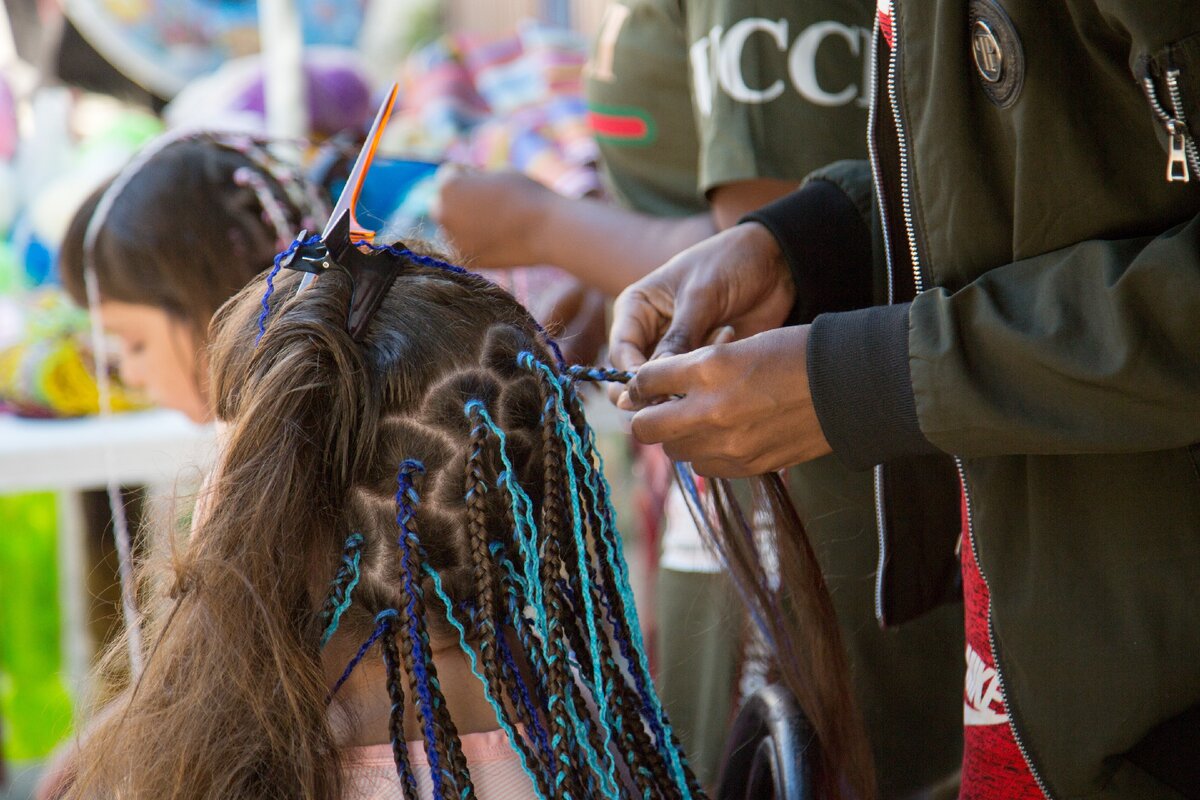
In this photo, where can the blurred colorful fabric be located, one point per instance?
(162, 44)
(514, 103)
(337, 91)
(49, 371)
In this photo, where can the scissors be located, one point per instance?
(371, 273)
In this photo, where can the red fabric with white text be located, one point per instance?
(993, 767)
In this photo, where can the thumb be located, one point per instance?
(689, 327)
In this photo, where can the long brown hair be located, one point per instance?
(777, 573)
(440, 445)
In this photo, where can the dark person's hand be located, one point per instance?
(732, 410)
(737, 279)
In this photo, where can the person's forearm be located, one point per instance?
(609, 247)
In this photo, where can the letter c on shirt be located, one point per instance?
(729, 59)
(802, 63)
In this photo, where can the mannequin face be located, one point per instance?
(158, 355)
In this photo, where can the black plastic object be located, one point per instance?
(770, 751)
(371, 274)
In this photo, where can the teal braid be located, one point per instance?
(521, 507)
(342, 586)
(525, 530)
(526, 360)
(501, 717)
(601, 491)
(615, 555)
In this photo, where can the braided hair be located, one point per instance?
(432, 483)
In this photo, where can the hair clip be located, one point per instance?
(371, 273)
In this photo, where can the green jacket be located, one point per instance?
(1043, 277)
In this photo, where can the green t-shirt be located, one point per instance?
(687, 95)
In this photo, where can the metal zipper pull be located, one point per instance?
(1177, 160)
(1182, 158)
(1181, 137)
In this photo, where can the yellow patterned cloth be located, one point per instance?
(49, 371)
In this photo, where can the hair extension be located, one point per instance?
(584, 575)
(391, 662)
(440, 734)
(477, 536)
(559, 689)
(280, 258)
(342, 587)
(574, 447)
(626, 626)
(362, 652)
(538, 780)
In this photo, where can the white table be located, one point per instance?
(146, 447)
(150, 448)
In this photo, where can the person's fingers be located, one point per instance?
(666, 423)
(689, 325)
(660, 380)
(635, 328)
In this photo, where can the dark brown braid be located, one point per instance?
(445, 739)
(476, 489)
(594, 513)
(391, 661)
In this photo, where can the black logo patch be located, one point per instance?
(996, 54)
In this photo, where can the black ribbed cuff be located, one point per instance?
(827, 245)
(861, 387)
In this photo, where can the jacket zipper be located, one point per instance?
(1183, 152)
(910, 234)
(914, 255)
(873, 153)
(1037, 777)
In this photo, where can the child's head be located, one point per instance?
(439, 473)
(170, 239)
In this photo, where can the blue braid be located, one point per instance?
(380, 623)
(526, 629)
(278, 265)
(579, 372)
(487, 690)
(652, 707)
(342, 588)
(396, 721)
(406, 501)
(539, 730)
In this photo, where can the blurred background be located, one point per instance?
(83, 83)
